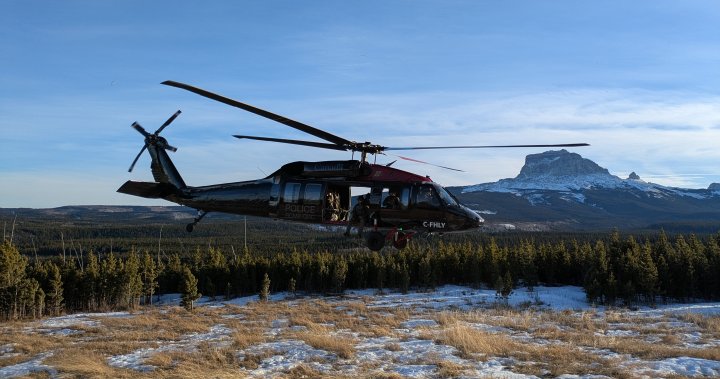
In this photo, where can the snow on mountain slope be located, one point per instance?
(562, 171)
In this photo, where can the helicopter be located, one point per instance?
(397, 204)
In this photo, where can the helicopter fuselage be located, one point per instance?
(325, 193)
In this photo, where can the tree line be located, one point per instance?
(612, 269)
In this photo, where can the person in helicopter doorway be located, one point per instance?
(359, 215)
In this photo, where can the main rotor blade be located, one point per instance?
(484, 147)
(137, 157)
(261, 112)
(419, 161)
(171, 119)
(321, 145)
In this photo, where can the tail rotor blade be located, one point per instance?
(170, 120)
(137, 157)
(140, 129)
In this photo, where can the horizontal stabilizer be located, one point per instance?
(149, 190)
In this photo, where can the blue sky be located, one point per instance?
(639, 80)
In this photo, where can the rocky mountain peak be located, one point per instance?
(714, 187)
(633, 176)
(559, 163)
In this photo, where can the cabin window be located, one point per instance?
(274, 194)
(292, 192)
(395, 197)
(405, 197)
(313, 194)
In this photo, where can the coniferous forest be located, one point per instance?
(103, 268)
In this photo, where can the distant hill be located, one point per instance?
(89, 214)
(563, 191)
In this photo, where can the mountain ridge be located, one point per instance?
(563, 188)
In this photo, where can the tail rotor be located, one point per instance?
(154, 139)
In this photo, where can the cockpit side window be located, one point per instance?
(446, 197)
(426, 197)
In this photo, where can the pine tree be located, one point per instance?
(595, 272)
(109, 281)
(149, 277)
(701, 265)
(265, 289)
(425, 272)
(131, 281)
(339, 274)
(217, 272)
(504, 286)
(55, 295)
(189, 289)
(647, 273)
(713, 254)
(39, 303)
(404, 277)
(526, 262)
(682, 269)
(172, 278)
(28, 289)
(12, 274)
(291, 286)
(628, 269)
(492, 263)
(91, 282)
(663, 254)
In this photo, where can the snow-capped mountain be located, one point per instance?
(559, 186)
(569, 172)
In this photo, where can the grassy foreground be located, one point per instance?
(357, 335)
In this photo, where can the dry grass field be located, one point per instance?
(453, 332)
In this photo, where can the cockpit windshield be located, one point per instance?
(446, 197)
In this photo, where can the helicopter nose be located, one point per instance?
(479, 221)
(474, 219)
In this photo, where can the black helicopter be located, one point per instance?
(316, 192)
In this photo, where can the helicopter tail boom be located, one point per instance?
(147, 190)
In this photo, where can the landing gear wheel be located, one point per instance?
(375, 241)
(197, 219)
(400, 241)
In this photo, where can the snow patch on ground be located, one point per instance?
(218, 334)
(28, 368)
(686, 366)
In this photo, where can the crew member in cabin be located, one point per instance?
(333, 206)
(359, 215)
(392, 201)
